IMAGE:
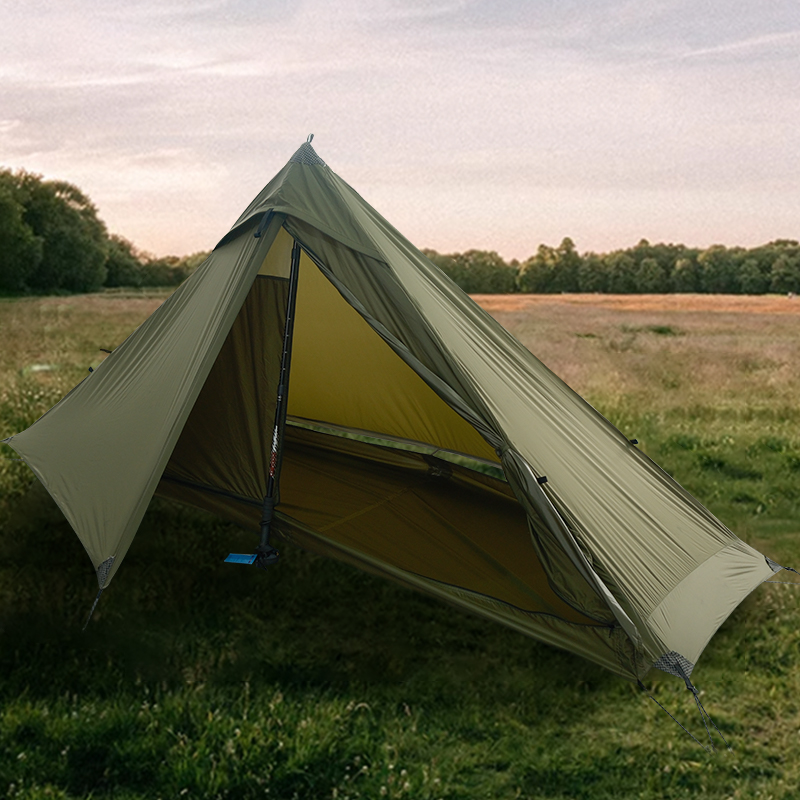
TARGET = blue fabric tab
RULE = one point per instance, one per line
(241, 558)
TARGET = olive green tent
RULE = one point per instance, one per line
(423, 442)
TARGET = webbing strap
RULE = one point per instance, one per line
(91, 610)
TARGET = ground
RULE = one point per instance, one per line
(314, 680)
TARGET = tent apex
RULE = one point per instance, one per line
(307, 155)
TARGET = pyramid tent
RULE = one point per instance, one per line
(422, 441)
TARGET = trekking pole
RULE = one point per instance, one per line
(265, 553)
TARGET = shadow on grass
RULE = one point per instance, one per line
(175, 615)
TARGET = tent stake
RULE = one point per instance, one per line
(266, 554)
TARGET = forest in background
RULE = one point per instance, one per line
(644, 268)
(52, 240)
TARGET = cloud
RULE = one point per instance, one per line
(508, 114)
(772, 44)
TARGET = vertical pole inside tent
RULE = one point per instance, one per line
(266, 553)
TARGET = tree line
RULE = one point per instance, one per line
(643, 269)
(52, 240)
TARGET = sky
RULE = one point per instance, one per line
(494, 125)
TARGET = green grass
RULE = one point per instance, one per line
(743, 467)
(314, 680)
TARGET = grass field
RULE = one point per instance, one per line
(317, 681)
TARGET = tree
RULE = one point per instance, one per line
(685, 276)
(73, 239)
(785, 274)
(537, 273)
(567, 267)
(592, 275)
(717, 270)
(20, 249)
(123, 263)
(650, 277)
(752, 279)
(484, 272)
(620, 270)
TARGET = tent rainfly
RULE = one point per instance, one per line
(419, 440)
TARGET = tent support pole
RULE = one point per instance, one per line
(265, 552)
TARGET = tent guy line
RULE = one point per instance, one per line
(539, 514)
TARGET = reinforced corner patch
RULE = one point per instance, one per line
(773, 565)
(675, 664)
(103, 570)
